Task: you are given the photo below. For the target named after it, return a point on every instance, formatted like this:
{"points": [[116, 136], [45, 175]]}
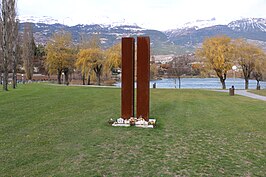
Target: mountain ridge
{"points": [[176, 41]]}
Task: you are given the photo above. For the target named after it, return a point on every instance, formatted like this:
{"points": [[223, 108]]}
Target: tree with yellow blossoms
{"points": [[259, 72], [251, 58], [113, 58], [88, 60], [60, 55], [217, 54]]}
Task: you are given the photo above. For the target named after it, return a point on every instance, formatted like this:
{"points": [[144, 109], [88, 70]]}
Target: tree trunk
{"points": [[15, 46], [8, 15], [14, 79], [89, 79], [179, 82], [222, 80], [59, 76], [98, 72], [14, 76], [258, 84], [5, 44], [83, 79], [246, 72], [246, 83], [70, 77], [1, 79], [98, 79], [5, 79], [66, 79], [66, 73], [28, 51]]}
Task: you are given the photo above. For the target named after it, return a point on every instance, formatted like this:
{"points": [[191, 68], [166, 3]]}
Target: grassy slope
{"points": [[62, 131], [259, 92]]}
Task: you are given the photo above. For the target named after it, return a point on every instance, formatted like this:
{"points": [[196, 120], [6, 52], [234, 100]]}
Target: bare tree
{"points": [[15, 52], [28, 51], [5, 19], [1, 51], [39, 59], [179, 67], [8, 16]]}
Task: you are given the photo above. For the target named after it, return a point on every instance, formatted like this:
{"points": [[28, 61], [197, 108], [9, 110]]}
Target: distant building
{"points": [[162, 59]]}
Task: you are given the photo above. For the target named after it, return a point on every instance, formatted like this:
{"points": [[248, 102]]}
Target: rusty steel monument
{"points": [[142, 78]]}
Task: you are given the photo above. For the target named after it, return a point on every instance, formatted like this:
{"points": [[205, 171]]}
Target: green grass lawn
{"points": [[259, 92], [63, 131]]}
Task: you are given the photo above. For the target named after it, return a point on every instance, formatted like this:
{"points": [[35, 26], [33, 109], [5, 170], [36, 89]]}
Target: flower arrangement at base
{"points": [[132, 121]]}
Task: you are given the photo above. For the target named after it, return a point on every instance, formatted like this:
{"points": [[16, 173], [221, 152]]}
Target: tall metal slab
{"points": [[128, 65], [143, 77]]}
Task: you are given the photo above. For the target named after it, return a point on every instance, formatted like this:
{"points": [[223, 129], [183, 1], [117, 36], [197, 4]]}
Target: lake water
{"points": [[204, 83]]}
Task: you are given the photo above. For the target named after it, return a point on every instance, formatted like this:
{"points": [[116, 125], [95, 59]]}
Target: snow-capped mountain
{"points": [[249, 28], [109, 35], [248, 25], [44, 19], [177, 41], [199, 24], [191, 27], [103, 21]]}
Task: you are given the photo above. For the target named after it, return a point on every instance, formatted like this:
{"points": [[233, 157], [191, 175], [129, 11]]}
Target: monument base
{"points": [[137, 122]]}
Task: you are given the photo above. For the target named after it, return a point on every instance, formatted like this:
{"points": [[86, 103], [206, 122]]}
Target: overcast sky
{"points": [[153, 14]]}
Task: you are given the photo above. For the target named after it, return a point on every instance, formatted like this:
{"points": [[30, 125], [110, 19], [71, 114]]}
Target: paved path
{"points": [[246, 93]]}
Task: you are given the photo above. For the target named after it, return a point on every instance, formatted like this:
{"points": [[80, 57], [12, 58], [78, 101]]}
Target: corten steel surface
{"points": [[143, 77], [128, 62]]}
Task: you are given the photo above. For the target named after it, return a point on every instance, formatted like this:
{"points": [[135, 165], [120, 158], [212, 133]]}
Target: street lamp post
{"points": [[63, 79], [234, 69], [22, 78]]}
